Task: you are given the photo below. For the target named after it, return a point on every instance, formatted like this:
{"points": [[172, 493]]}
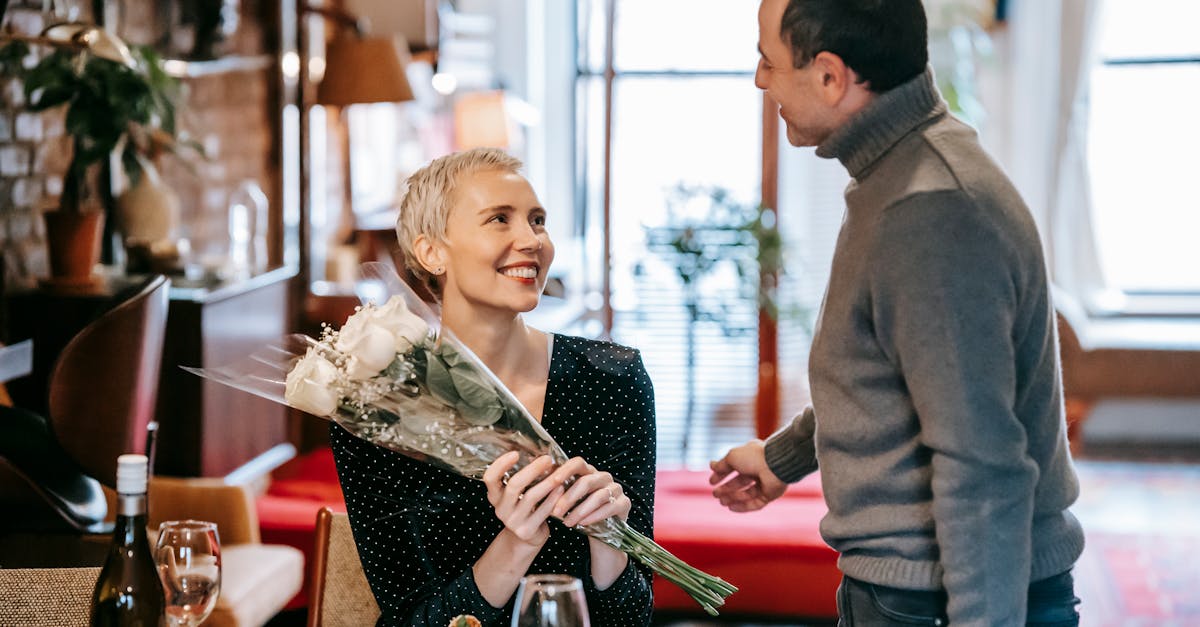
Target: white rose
{"points": [[369, 346], [309, 385], [407, 327]]}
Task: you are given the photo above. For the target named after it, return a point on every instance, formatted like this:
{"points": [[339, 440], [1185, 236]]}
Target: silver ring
{"points": [[611, 497]]}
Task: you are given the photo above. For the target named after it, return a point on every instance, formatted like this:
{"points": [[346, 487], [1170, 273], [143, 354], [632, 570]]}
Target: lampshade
{"points": [[361, 70]]}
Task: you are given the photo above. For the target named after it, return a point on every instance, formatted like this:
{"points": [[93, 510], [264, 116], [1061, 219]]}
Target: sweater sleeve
{"points": [[400, 552], [945, 287], [629, 600], [791, 452]]}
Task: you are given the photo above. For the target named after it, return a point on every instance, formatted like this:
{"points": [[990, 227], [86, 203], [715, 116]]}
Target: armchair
{"points": [[102, 392], [257, 580]]}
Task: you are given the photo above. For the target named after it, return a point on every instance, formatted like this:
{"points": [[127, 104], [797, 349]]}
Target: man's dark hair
{"points": [[884, 41]]}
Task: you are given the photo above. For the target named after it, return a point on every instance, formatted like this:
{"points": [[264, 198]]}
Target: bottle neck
{"points": [[130, 527], [130, 505]]}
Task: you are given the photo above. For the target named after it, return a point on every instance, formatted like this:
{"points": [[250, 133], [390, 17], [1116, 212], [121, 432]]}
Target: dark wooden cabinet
{"points": [[208, 429]]}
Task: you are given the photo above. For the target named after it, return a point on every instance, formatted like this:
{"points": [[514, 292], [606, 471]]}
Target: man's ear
{"points": [[834, 78], [431, 255]]}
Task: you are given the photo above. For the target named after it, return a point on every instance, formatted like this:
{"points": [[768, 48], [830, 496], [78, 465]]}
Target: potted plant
{"points": [[707, 227], [120, 103]]}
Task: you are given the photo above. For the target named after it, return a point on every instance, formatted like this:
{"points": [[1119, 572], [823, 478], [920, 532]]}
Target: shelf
{"points": [[212, 291], [182, 68]]}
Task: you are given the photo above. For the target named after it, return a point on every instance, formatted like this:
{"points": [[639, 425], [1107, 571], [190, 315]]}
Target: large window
{"points": [[684, 111], [1143, 134]]}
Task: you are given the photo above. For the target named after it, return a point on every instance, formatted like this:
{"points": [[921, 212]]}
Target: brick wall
{"points": [[231, 114]]}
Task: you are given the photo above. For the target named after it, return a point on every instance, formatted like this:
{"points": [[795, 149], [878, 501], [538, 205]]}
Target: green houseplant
{"points": [[118, 102], [697, 243]]}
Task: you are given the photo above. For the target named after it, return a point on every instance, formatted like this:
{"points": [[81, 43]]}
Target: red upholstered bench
{"points": [[775, 556]]}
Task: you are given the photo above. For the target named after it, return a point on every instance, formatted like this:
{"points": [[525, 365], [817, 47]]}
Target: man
{"points": [[937, 400]]}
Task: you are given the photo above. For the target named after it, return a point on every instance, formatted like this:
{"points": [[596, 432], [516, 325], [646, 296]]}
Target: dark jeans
{"points": [[860, 604]]}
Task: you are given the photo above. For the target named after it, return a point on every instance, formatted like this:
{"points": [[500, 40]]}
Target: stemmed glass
{"points": [[550, 601], [188, 554]]}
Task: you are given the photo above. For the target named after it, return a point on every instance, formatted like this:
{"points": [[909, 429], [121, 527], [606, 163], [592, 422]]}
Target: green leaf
{"points": [[437, 379], [49, 97], [480, 416], [451, 355], [12, 58], [471, 387]]}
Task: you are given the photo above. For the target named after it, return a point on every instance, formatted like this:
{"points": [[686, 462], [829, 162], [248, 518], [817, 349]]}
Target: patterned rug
{"points": [[1142, 561]]}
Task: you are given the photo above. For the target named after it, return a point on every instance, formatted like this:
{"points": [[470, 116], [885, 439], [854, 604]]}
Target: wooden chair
{"points": [[1131, 357], [46, 597], [102, 392], [339, 595]]}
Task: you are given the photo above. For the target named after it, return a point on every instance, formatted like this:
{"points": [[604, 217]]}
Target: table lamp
{"points": [[359, 69]]}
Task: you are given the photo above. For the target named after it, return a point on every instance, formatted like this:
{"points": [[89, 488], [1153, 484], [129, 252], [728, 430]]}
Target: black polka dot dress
{"points": [[419, 528]]}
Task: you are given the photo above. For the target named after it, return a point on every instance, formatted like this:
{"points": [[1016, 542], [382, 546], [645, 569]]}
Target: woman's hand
{"points": [[523, 503], [593, 497]]}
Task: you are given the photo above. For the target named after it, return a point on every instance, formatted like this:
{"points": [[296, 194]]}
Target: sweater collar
{"points": [[871, 132]]}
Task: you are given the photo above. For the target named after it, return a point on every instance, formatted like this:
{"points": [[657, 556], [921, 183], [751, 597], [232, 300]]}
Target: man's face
{"points": [[795, 90]]}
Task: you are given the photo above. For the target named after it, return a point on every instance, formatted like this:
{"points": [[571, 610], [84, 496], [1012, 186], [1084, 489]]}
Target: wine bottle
{"points": [[129, 592]]}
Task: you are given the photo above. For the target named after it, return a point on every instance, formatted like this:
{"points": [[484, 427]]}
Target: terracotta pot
{"points": [[73, 244]]}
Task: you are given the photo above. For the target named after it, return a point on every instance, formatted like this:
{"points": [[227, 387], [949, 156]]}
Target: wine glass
{"points": [[550, 601], [188, 554]]}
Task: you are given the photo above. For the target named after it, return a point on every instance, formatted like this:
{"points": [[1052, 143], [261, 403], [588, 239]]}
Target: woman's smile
{"points": [[523, 272]]}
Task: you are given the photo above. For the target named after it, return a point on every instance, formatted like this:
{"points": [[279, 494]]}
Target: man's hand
{"points": [[754, 485]]}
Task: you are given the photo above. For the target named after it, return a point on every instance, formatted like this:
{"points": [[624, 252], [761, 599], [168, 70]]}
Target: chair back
{"points": [[230, 506], [46, 597], [104, 385], [339, 595]]}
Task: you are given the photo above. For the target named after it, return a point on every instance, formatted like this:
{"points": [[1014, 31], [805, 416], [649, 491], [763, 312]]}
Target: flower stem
{"points": [[707, 590]]}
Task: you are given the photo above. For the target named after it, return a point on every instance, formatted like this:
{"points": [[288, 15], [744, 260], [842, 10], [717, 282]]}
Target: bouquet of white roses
{"points": [[392, 377]]}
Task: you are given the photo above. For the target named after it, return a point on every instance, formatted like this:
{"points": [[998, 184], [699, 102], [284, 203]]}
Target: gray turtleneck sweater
{"points": [[937, 411]]}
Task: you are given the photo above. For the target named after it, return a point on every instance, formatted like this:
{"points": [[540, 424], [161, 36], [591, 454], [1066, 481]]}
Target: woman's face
{"points": [[497, 249]]}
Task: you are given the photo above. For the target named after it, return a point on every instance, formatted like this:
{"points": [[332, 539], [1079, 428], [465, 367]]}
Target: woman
{"points": [[435, 544]]}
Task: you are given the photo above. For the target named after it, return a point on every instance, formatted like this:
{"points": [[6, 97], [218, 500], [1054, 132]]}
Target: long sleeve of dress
{"points": [[630, 456]]}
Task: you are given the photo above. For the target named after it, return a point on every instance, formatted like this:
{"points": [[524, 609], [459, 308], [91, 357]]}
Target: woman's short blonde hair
{"points": [[426, 204]]}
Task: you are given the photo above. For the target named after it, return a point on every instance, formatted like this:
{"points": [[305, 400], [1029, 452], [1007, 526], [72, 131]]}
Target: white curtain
{"points": [[1050, 52]]}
